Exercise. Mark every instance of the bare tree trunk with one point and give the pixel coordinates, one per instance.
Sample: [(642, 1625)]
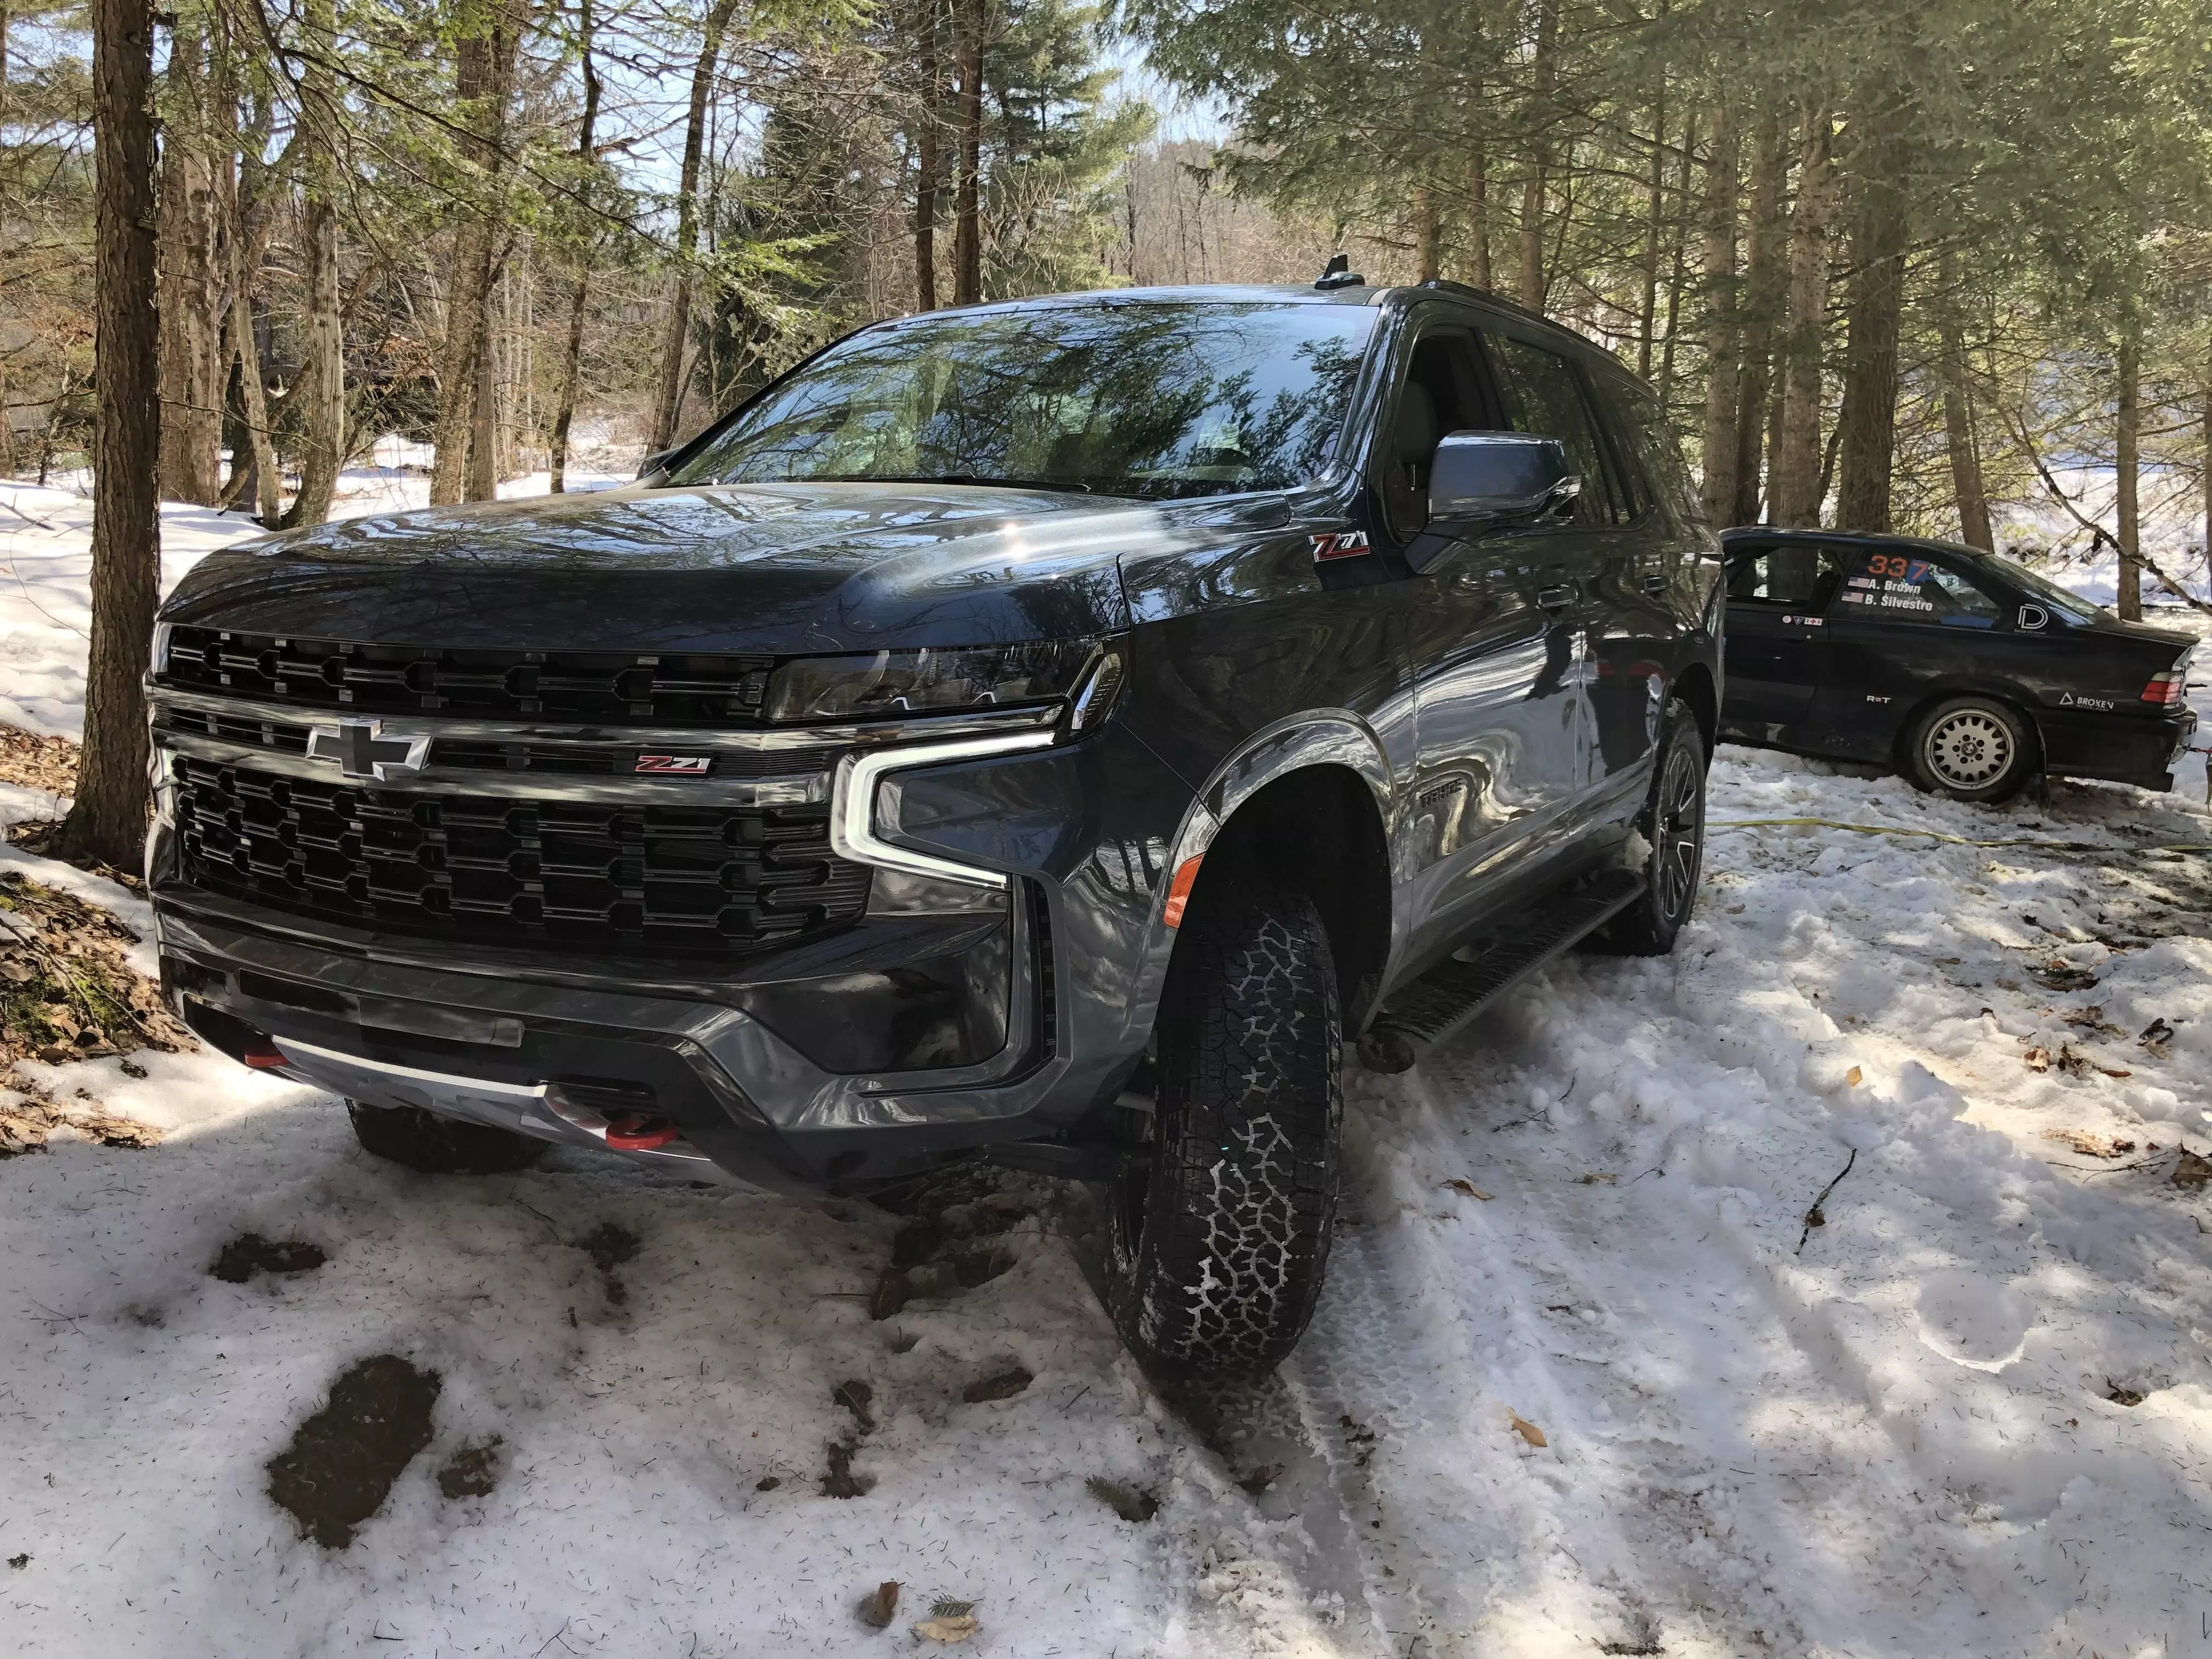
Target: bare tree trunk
[(926, 160), (484, 78), (1428, 235), (669, 408), (572, 357), (1763, 296), (1797, 489), (971, 23), (192, 277), (1654, 221), (321, 390), (1542, 80), (107, 820), (1478, 212), (1959, 411), (2208, 468), (1721, 346), (1878, 234), (482, 475), (2129, 471), (249, 212), (1678, 262)]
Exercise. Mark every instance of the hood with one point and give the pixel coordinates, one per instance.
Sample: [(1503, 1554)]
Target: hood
[(785, 568)]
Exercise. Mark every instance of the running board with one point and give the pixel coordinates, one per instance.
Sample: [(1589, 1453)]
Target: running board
[(1422, 1014)]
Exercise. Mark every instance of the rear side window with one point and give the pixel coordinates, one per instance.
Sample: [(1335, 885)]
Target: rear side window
[(1660, 452), (1903, 587), (1793, 576), (1544, 395)]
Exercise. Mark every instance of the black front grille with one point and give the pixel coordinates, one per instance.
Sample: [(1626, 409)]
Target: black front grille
[(548, 873), (612, 687)]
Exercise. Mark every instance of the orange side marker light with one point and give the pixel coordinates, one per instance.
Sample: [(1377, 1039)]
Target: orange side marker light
[(1186, 877)]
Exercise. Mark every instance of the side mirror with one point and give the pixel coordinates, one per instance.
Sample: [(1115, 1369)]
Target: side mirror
[(1492, 479), (652, 463)]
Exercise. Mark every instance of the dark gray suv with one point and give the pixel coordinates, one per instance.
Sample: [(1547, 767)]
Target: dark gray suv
[(1048, 731)]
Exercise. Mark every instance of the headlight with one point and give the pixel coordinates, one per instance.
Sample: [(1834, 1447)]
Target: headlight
[(927, 681), (160, 656)]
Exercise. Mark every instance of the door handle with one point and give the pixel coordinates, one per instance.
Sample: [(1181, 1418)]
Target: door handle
[(1554, 598)]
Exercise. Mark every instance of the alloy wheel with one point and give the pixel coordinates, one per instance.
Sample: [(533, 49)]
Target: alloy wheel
[(1679, 834), (1968, 750)]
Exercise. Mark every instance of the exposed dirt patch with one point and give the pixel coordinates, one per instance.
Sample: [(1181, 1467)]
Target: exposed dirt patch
[(856, 1397), (610, 1245), (67, 991), (249, 1253), (37, 763), (1132, 1505), (841, 1482), (343, 1461), (1004, 1386), (471, 1472)]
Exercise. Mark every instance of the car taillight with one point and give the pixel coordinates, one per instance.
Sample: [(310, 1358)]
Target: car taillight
[(2166, 688)]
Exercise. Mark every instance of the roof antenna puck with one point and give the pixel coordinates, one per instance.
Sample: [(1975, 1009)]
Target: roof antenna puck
[(1341, 274)]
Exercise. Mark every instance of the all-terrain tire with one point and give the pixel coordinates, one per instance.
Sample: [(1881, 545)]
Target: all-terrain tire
[(1973, 749), (440, 1146), (1217, 1248), (1673, 825)]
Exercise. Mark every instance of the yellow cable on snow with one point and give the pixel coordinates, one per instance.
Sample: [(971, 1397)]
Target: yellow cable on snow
[(1955, 840)]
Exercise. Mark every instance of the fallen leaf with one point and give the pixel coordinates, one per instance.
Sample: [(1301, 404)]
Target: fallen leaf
[(948, 1630), (1597, 1178), (1528, 1431), (1466, 1188), (2089, 1145), (2038, 1059), (2191, 1170), (1948, 961), (2157, 1031), (1853, 1077), (2121, 1396), (881, 1608)]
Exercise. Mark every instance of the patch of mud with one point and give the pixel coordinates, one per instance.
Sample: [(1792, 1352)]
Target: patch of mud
[(610, 1245), (249, 1253), (471, 1472), (343, 1461), (858, 1398), (1004, 1386)]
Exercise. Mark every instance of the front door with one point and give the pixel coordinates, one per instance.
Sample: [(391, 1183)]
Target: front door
[(1493, 636)]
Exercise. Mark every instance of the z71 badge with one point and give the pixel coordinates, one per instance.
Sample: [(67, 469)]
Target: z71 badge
[(682, 766), (1340, 544)]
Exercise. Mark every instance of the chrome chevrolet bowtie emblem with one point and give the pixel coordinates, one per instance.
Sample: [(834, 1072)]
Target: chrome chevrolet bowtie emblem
[(363, 751)]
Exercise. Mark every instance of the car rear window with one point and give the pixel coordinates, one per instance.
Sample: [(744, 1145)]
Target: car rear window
[(1905, 587)]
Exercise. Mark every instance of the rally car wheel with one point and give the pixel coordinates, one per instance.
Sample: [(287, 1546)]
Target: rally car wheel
[(440, 1146), (1973, 749), (1217, 1244), (1673, 824)]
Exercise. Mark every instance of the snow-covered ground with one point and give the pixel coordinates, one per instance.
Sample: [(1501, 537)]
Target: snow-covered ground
[(1610, 1395)]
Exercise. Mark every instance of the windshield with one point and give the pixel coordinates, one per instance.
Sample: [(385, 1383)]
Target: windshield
[(1121, 398), (2068, 604)]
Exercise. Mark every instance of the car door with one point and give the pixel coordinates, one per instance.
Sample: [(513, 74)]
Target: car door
[(1904, 622), (1778, 650), (1493, 654), (1586, 567)]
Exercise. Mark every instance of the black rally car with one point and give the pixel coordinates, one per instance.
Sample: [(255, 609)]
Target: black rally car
[(1966, 672)]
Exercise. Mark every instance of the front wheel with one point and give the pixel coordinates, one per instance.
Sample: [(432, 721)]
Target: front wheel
[(1218, 1246), (1673, 825), (1971, 749)]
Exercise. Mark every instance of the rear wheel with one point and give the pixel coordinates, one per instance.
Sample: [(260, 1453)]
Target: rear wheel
[(1673, 826), (1218, 1246), (440, 1146), (1971, 749)]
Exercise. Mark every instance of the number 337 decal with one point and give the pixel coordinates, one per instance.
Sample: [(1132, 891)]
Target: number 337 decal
[(1339, 545)]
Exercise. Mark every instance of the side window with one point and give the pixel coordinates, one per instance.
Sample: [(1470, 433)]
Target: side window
[(1660, 451), (1440, 394), (1791, 576), (1902, 587), (1544, 395)]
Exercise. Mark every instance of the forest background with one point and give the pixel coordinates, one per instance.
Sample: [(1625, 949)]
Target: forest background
[(1891, 266)]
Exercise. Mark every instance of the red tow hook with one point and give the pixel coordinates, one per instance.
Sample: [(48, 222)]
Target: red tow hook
[(262, 1055), (641, 1132)]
